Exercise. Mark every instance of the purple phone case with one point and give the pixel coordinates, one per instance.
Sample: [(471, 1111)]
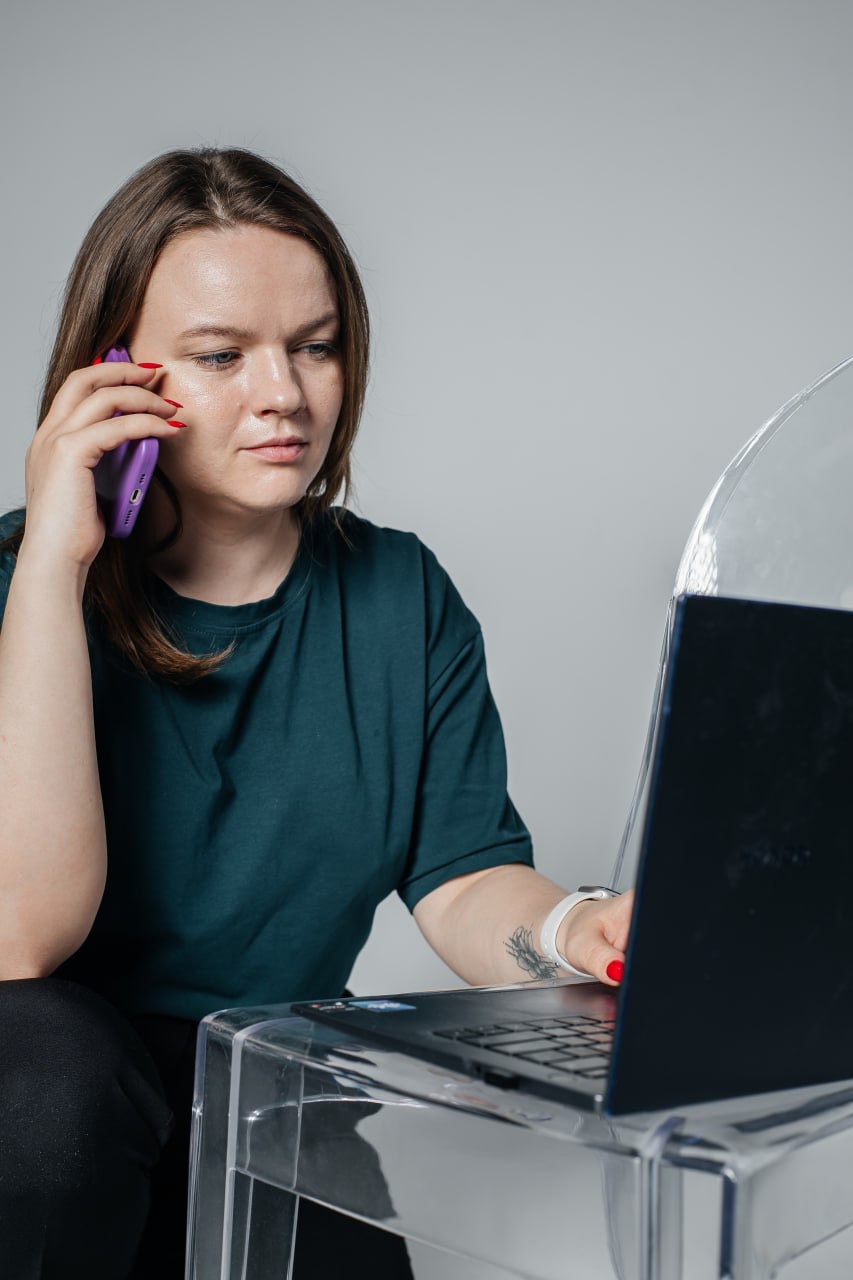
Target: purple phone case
[(123, 475)]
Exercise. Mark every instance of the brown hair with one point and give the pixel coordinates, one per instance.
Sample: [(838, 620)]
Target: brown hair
[(178, 192)]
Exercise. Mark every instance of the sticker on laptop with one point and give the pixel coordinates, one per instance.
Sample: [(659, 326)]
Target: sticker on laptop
[(380, 1006)]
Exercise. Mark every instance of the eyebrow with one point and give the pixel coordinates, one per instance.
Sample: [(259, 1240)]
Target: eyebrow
[(235, 331)]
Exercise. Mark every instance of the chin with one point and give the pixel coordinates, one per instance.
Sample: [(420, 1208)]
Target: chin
[(270, 503), (274, 494)]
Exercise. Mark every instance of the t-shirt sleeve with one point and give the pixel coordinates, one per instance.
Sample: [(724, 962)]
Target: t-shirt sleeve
[(465, 820), (9, 522), (5, 582)]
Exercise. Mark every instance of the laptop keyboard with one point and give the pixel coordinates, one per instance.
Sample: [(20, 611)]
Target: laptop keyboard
[(576, 1044)]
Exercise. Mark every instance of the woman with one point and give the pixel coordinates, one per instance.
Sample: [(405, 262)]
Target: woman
[(226, 738)]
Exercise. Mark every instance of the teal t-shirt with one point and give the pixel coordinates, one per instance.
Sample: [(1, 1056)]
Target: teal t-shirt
[(348, 748)]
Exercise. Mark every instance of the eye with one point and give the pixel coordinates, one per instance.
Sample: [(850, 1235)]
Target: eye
[(216, 359), (320, 350)]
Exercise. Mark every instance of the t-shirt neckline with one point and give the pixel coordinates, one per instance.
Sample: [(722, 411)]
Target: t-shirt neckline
[(202, 615)]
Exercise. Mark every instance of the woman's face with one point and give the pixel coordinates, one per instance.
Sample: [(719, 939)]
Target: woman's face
[(245, 323)]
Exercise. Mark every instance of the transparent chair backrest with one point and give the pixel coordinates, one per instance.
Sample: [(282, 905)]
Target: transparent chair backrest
[(777, 525)]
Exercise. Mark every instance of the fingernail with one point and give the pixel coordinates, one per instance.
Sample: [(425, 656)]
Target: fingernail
[(98, 360), (177, 424), (174, 402), (145, 365), (615, 970)]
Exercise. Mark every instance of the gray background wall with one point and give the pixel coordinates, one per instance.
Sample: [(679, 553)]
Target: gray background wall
[(602, 243)]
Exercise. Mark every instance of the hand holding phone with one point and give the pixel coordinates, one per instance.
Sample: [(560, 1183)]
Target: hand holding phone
[(123, 475)]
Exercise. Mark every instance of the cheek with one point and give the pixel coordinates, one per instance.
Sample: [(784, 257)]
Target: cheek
[(181, 457), (333, 397), (210, 409), (208, 396), (200, 449)]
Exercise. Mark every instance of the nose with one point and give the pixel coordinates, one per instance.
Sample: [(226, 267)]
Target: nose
[(276, 386)]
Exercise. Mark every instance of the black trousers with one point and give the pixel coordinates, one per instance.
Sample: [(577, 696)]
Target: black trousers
[(94, 1144)]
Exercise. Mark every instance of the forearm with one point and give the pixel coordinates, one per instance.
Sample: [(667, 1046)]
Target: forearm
[(487, 927), (52, 843), (489, 932)]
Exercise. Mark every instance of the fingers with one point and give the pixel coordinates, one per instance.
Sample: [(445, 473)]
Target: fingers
[(596, 939), (605, 963), (102, 404), (64, 525), (82, 423), (107, 401), (616, 920), (103, 384), (89, 446)]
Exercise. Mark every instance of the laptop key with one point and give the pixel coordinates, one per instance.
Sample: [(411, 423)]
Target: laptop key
[(544, 1056), (566, 1064), (519, 1046), (504, 1036), (571, 1046)]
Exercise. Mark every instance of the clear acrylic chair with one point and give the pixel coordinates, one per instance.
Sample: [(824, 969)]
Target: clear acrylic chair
[(777, 525)]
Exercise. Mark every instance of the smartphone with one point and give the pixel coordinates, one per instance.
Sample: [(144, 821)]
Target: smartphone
[(123, 475)]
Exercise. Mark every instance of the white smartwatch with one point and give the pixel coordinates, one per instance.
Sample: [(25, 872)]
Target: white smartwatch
[(550, 929)]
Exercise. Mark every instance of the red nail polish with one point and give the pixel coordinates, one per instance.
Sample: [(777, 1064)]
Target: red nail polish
[(98, 360), (174, 402), (144, 365), (615, 970), (177, 424)]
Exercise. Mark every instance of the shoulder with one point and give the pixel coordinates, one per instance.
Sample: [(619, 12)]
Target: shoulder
[(366, 550), (11, 522), (363, 536), (394, 566)]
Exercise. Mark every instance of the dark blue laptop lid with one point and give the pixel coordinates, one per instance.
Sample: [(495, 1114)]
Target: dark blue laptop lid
[(739, 976)]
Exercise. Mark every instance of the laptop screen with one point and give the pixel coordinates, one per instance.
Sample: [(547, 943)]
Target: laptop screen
[(739, 976)]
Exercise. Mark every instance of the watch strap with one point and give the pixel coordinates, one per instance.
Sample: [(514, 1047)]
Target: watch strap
[(551, 927)]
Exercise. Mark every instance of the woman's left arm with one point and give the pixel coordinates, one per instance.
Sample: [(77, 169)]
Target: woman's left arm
[(486, 926)]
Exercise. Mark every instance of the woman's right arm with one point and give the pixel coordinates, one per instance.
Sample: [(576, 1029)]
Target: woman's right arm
[(53, 856)]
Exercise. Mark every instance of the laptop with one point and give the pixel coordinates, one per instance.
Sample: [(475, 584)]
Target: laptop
[(739, 967)]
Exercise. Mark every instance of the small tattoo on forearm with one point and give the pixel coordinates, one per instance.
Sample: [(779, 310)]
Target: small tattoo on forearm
[(520, 947)]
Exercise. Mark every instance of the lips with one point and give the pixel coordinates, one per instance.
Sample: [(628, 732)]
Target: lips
[(280, 449), (277, 442)]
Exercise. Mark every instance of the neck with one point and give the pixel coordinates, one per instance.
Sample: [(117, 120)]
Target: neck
[(220, 560)]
